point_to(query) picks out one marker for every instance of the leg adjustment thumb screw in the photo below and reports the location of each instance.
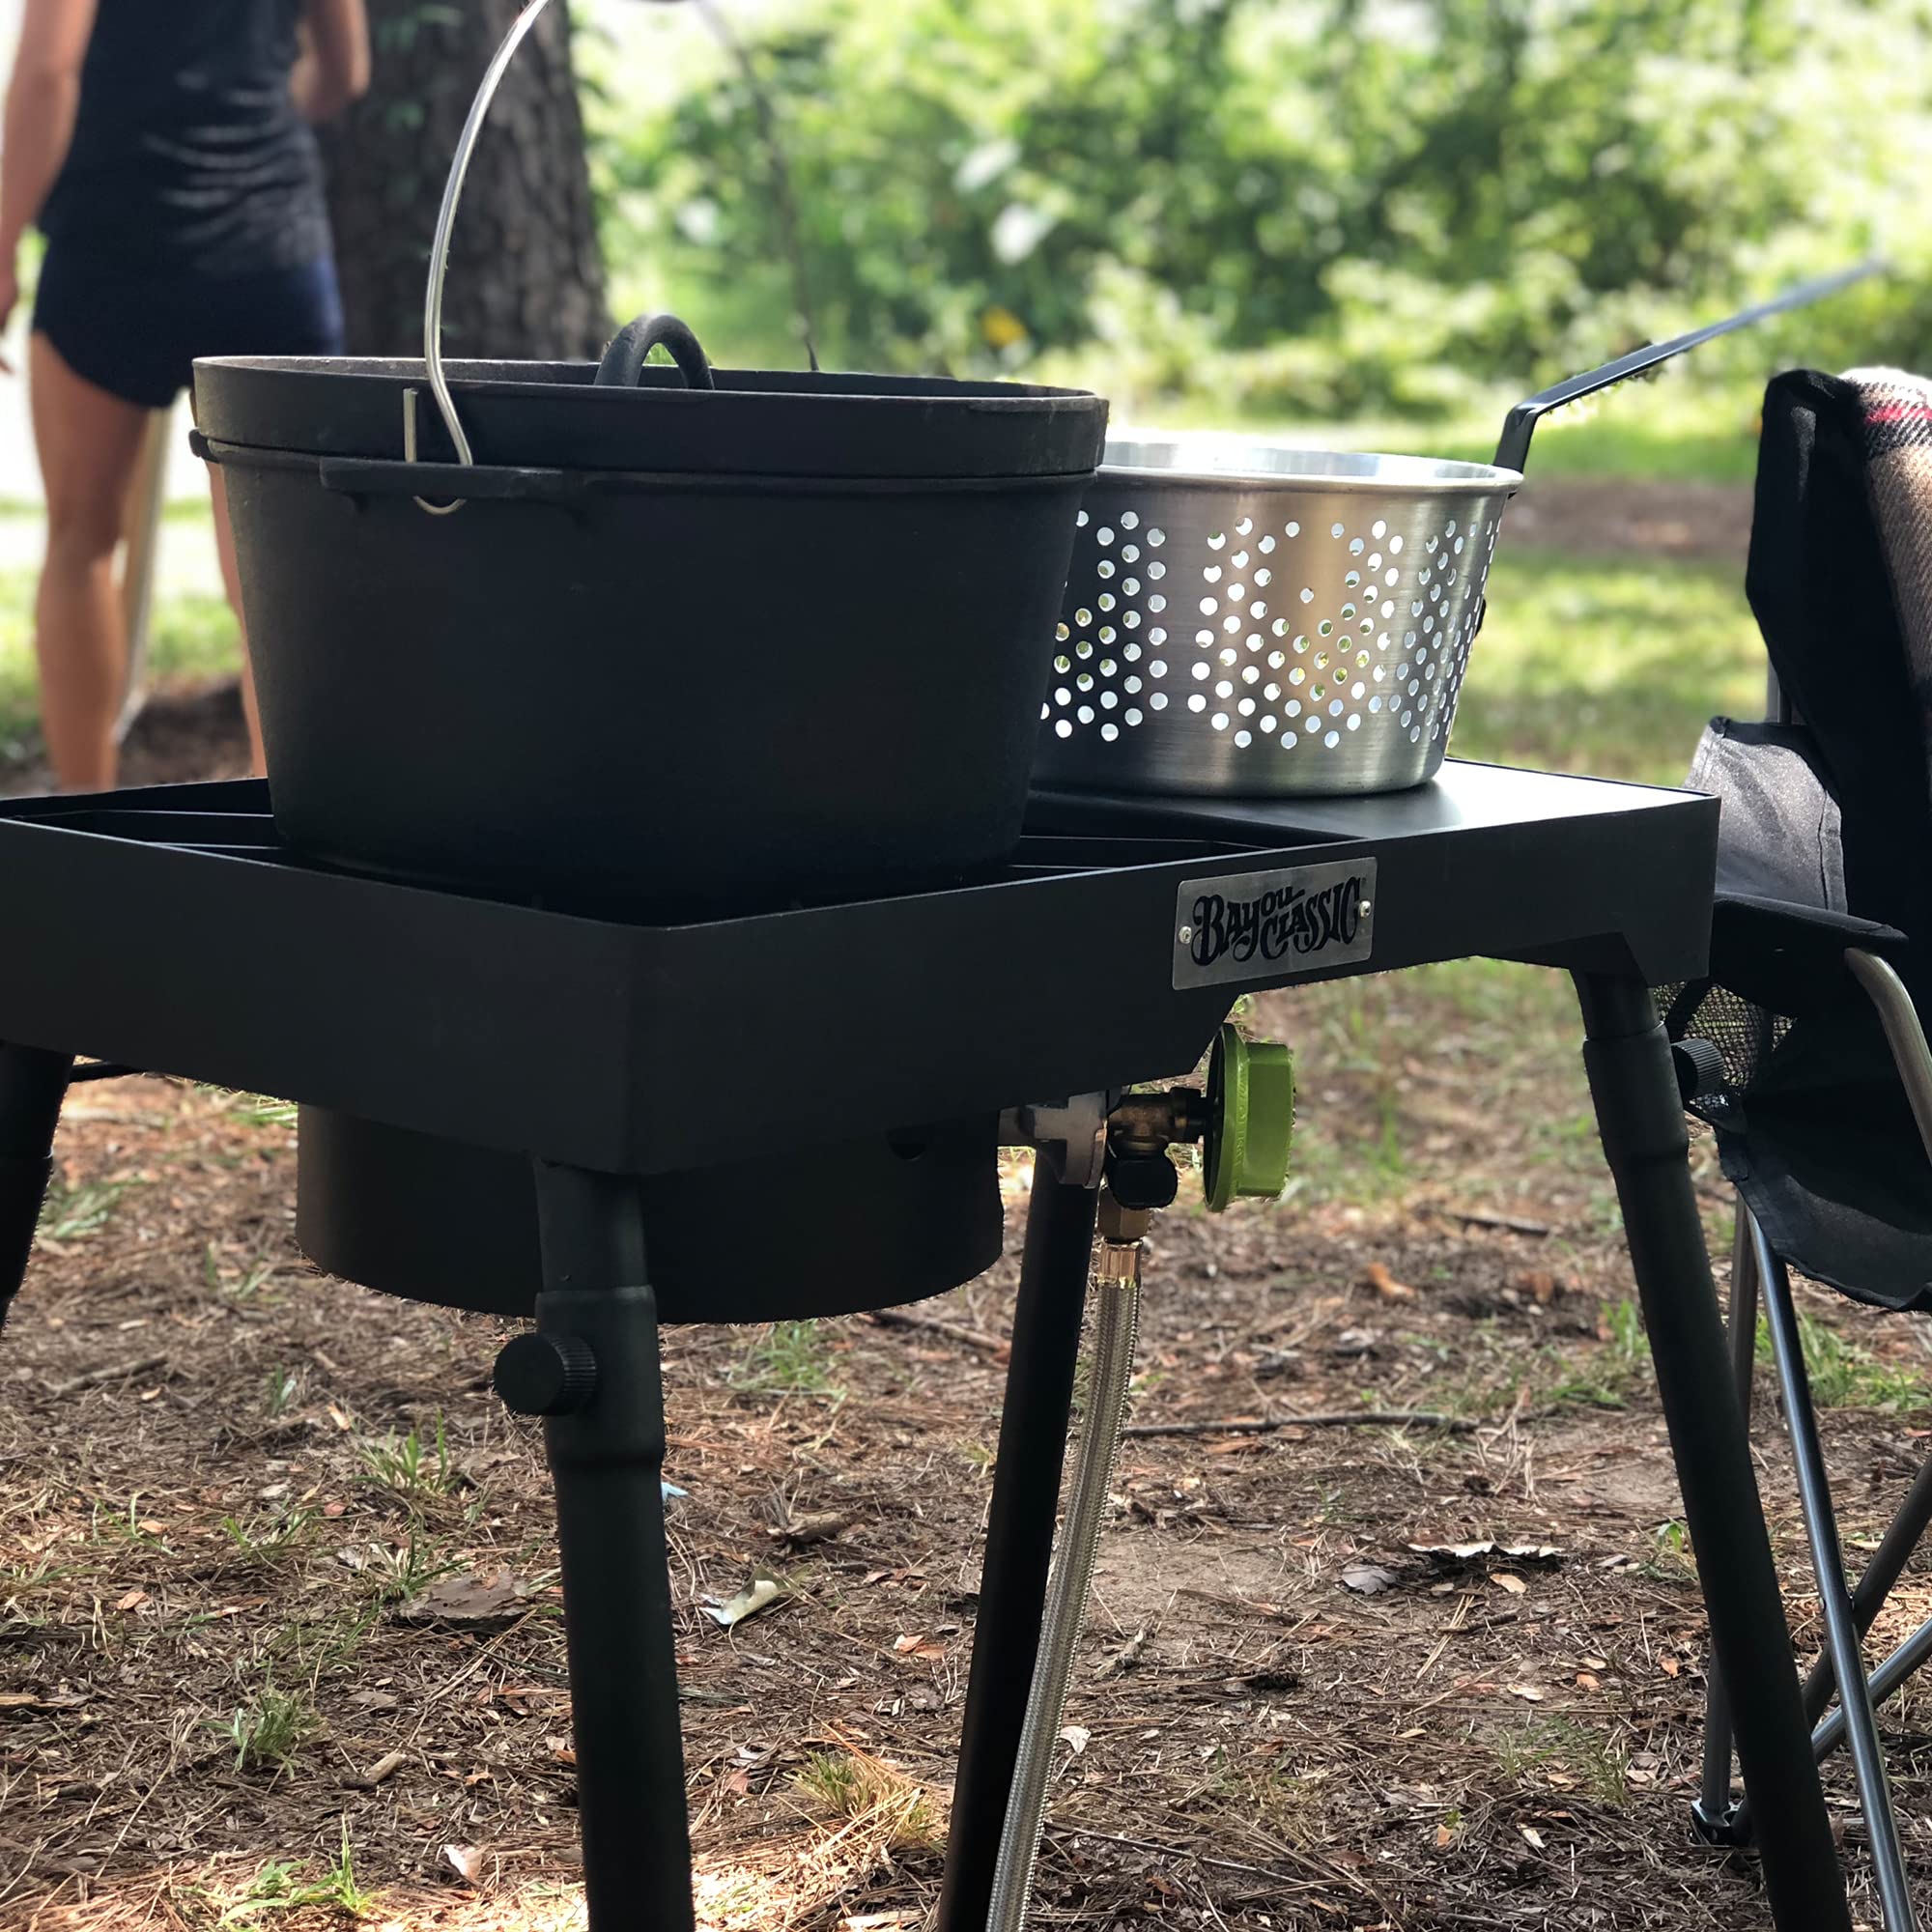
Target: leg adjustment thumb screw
(545, 1375)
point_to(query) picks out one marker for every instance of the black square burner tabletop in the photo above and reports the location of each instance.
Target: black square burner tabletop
(168, 929)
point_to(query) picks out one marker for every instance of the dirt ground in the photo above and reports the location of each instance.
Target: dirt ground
(279, 1640)
(1594, 515)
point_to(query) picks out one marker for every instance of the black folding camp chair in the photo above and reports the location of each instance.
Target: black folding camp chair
(1803, 1048)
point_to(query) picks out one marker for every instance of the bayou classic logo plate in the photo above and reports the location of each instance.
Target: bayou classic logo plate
(1265, 926)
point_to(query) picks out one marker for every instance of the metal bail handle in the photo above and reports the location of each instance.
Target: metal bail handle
(624, 358)
(445, 224)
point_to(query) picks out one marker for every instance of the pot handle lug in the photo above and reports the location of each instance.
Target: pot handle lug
(624, 360)
(375, 477)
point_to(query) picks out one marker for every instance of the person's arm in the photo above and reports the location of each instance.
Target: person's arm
(41, 100)
(335, 65)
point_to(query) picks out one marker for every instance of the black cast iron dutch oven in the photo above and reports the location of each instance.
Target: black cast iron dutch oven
(674, 645)
(780, 635)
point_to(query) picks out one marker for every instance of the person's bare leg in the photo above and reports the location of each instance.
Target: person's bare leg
(230, 578)
(88, 444)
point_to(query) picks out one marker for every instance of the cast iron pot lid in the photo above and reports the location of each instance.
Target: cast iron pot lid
(755, 422)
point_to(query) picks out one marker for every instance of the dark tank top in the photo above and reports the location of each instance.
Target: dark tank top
(187, 154)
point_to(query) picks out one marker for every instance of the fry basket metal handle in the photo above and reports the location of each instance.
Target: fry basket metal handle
(1513, 451)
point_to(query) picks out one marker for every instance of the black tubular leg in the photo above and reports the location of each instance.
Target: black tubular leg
(32, 1086)
(1887, 1566)
(1640, 1119)
(597, 1324)
(1720, 1819)
(1019, 1536)
(1834, 1595)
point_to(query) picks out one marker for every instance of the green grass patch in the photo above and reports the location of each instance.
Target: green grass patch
(877, 1797)
(1609, 666)
(269, 1730)
(291, 1886)
(72, 1214)
(789, 1358)
(416, 1467)
(1844, 1374)
(1553, 1750)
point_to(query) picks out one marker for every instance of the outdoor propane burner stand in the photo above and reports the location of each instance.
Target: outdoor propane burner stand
(605, 1049)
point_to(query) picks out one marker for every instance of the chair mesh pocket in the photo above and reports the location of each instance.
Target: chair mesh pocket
(1746, 1035)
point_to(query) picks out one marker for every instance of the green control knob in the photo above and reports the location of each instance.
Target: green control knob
(1250, 1118)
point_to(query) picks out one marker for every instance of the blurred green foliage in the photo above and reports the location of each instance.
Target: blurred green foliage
(1308, 207)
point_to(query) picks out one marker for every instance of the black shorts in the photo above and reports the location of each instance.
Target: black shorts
(136, 333)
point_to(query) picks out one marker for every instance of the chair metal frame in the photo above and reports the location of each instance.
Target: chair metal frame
(1758, 1273)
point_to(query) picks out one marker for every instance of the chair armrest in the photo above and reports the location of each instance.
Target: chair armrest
(1791, 958)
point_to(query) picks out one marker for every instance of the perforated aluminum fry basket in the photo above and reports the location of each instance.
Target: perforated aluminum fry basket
(1251, 619)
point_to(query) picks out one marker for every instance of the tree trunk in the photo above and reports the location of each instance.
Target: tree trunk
(525, 276)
